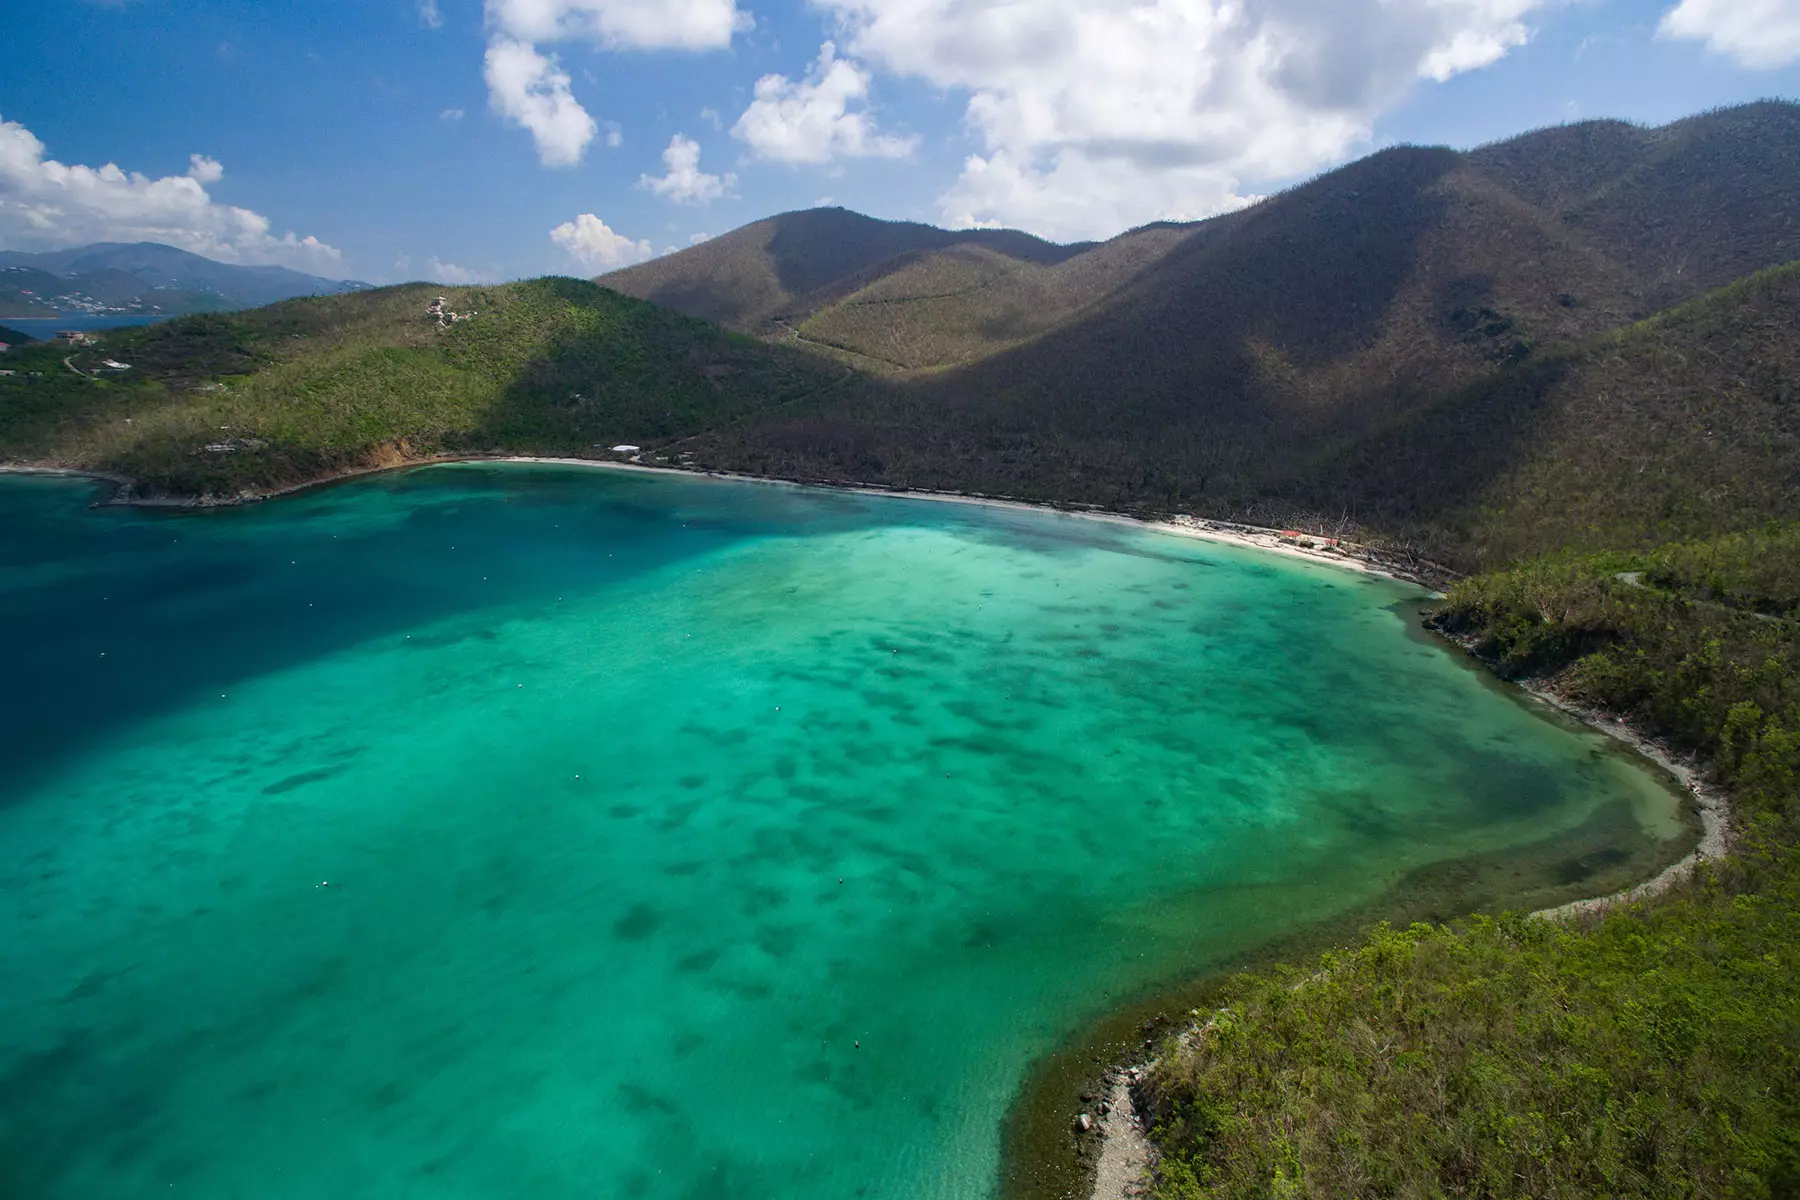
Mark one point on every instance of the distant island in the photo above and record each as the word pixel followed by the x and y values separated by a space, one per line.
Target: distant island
pixel 144 279
pixel 1564 368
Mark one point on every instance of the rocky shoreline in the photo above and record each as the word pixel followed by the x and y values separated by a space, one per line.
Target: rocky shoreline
pixel 1127 1157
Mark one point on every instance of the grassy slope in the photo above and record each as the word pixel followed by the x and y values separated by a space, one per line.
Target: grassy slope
pixel 311 387
pixel 15 337
pixel 780 270
pixel 963 304
pixel 1657 1054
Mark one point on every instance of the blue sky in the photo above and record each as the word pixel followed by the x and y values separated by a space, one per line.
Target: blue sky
pixel 463 139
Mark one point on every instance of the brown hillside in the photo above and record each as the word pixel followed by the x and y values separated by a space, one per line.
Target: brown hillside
pixel 1688 207
pixel 1412 267
pixel 780 269
pixel 1687 422
pixel 954 306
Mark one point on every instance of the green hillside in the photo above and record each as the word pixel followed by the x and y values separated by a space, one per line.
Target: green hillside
pixel 1655 1053
pixel 14 337
pixel 777 272
pixel 310 388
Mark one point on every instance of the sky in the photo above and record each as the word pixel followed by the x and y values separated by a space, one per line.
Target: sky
pixel 477 140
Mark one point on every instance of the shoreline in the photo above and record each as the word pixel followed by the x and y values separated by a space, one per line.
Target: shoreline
pixel 1126 1157
pixel 1710 800
pixel 1351 556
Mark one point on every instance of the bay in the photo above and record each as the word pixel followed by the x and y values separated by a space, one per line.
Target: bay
pixel 492 829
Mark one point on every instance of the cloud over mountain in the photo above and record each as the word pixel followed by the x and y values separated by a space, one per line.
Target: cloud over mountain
pixel 1096 116
pixel 1759 34
pixel 810 121
pixel 682 180
pixel 594 245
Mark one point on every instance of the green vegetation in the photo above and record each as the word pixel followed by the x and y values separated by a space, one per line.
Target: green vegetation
pixel 1655 1053
pixel 1577 351
pixel 1462 352
pixel 309 388
pixel 14 337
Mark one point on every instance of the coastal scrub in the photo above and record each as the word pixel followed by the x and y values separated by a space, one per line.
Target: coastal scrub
pixel 1652 1052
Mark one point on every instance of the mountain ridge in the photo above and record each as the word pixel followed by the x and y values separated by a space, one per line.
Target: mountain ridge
pixel 1642 217
pixel 145 277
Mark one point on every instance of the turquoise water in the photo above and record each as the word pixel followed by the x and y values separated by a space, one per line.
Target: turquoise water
pixel 508 831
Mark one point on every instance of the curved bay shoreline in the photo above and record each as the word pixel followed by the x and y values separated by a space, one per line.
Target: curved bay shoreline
pixel 1047 1150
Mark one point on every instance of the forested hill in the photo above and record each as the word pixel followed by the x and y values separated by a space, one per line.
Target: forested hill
pixel 1464 256
pixel 767 275
pixel 306 389
pixel 1683 424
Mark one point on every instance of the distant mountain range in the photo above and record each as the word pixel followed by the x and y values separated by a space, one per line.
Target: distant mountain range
pixel 147 278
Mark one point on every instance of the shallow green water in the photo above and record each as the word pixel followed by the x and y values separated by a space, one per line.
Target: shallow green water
pixel 643 801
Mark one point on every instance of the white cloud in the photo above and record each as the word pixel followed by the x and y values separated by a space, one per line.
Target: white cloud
pixel 430 17
pixel 694 239
pixel 589 241
pixel 684 182
pixel 402 264
pixel 448 272
pixel 615 136
pixel 451 114
pixel 533 91
pixel 811 121
pixel 47 203
pixel 204 170
pixel 711 117
pixel 1093 117
pixel 1760 34
pixel 622 24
